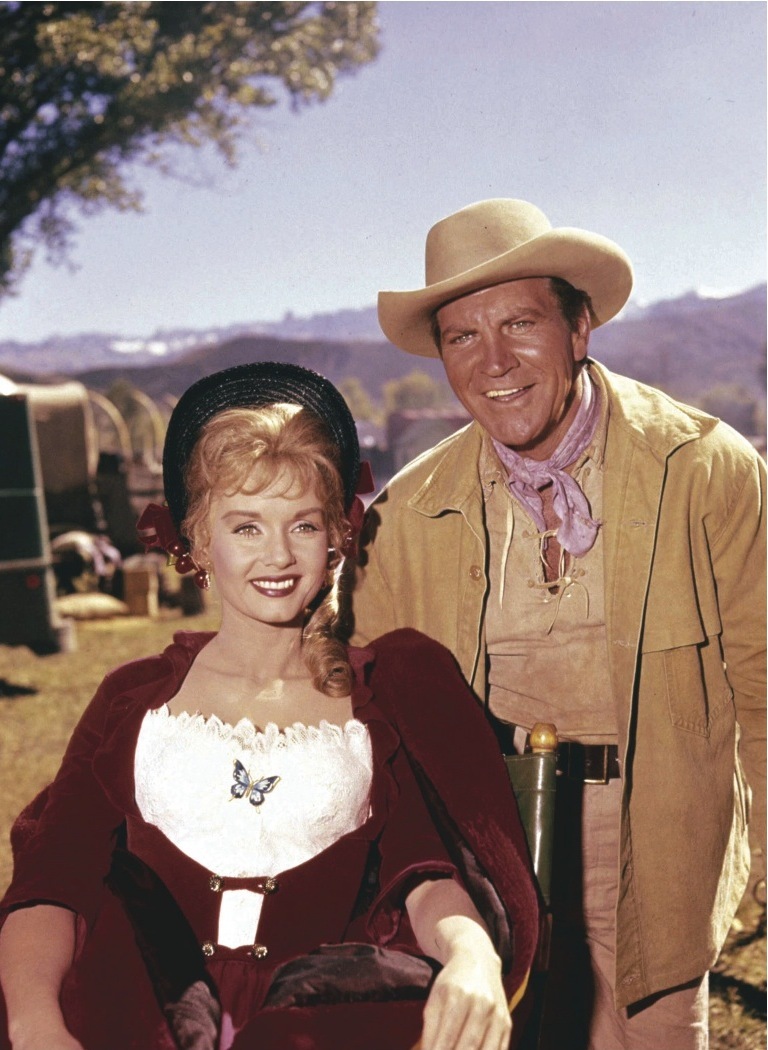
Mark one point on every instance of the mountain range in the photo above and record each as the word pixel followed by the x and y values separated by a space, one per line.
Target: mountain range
pixel 106 350
pixel 688 346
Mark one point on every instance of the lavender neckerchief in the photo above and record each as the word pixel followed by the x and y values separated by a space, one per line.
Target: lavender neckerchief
pixel 578 530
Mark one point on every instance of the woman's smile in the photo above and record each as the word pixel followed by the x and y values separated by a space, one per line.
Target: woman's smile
pixel 276 587
pixel 269 552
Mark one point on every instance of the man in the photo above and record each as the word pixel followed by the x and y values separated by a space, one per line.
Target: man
pixel 593 554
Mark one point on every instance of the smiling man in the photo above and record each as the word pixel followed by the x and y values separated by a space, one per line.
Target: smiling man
pixel 593 553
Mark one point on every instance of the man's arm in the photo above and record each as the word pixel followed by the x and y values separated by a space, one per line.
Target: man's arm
pixel 739 562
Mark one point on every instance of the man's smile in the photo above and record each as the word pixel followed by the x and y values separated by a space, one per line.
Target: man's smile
pixel 493 394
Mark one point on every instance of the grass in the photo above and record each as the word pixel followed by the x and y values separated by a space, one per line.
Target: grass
pixel 41 699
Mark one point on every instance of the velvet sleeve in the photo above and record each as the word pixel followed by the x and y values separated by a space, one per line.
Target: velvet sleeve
pixel 411 850
pixel 456 770
pixel 62 841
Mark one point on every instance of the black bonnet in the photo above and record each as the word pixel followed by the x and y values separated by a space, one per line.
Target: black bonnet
pixel 255 386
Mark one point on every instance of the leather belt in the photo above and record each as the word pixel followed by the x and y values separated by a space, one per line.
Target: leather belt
pixel 587 763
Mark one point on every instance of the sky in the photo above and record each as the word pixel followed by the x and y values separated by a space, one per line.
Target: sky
pixel 644 122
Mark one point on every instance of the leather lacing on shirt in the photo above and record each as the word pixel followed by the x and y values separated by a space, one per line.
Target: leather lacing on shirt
pixel 560 586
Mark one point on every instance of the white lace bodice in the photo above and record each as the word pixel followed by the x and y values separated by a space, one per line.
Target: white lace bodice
pixel 184 770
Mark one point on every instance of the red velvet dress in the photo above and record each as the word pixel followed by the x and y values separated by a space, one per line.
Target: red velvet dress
pixel 441 805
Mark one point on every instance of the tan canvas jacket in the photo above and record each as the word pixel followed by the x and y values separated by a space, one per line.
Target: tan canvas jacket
pixel 684 535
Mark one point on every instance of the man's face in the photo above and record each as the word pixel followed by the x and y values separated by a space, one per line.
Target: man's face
pixel 511 359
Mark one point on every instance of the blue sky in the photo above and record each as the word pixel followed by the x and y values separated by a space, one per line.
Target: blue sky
pixel 641 121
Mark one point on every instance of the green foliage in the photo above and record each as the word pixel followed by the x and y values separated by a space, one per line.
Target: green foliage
pixel 141 417
pixel 121 394
pixel 415 391
pixel 360 404
pixel 87 87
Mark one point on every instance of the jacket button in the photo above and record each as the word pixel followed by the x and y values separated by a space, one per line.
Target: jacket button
pixel 476 573
pixel 215 883
pixel 208 948
pixel 259 951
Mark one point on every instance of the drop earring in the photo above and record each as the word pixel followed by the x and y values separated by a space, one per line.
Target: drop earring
pixel 203 575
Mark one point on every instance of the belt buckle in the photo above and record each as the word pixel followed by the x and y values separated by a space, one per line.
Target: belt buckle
pixel 603 778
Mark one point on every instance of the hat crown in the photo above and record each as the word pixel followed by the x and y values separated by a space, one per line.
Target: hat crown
pixel 478 233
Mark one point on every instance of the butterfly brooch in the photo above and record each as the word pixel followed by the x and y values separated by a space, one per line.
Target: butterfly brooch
pixel 253 790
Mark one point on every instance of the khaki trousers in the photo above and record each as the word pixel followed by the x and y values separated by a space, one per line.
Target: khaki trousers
pixel 579 1013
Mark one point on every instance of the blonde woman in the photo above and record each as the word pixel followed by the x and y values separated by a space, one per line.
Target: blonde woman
pixel 262 838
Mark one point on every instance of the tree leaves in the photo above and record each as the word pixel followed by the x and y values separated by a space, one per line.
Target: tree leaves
pixel 86 88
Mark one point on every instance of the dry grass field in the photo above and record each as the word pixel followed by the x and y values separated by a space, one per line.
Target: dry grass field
pixel 42 698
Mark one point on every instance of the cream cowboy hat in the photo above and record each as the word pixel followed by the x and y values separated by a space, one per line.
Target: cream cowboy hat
pixel 502 240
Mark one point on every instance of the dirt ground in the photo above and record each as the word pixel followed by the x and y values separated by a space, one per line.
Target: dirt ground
pixel 738 984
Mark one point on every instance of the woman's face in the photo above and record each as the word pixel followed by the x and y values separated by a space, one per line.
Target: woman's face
pixel 269 552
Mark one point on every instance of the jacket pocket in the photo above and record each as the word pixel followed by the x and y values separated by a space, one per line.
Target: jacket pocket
pixel 697 688
pixel 681 641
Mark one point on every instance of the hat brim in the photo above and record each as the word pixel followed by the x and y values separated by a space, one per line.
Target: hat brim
pixel 589 262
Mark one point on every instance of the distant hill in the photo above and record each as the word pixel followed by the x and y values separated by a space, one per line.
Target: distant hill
pixel 372 363
pixel 94 350
pixel 687 346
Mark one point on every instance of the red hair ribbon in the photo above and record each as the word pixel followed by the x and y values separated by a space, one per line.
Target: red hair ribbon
pixel 356 514
pixel 365 482
pixel 156 529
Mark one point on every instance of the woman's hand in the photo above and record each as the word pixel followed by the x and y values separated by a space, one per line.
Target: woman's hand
pixel 43 1033
pixel 467 1007
pixel 37 945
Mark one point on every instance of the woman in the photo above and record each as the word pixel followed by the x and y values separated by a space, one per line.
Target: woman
pixel 262 838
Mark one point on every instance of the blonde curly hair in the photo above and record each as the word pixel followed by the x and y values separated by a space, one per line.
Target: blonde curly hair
pixel 255 447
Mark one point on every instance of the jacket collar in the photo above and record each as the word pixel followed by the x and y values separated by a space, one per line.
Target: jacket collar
pixel 647 416
pixel 644 415
pixel 454 483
